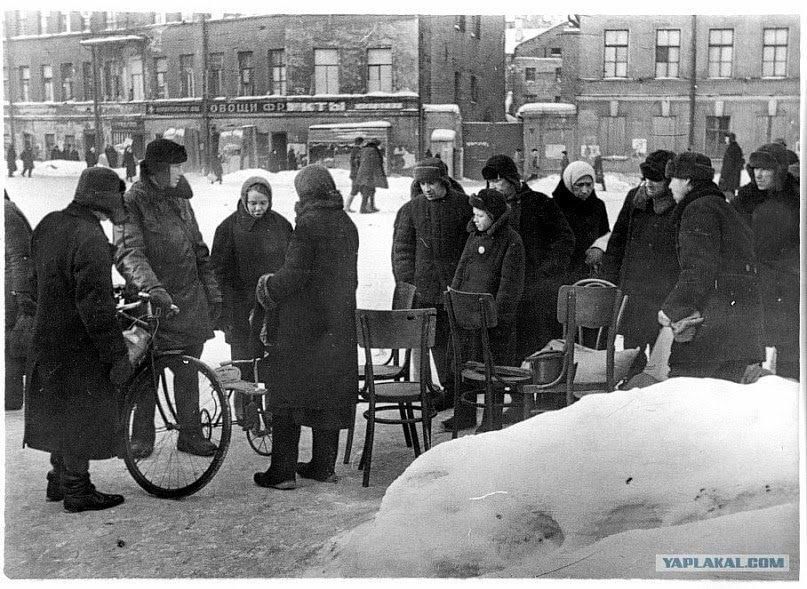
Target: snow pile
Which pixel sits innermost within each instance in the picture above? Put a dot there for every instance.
(663, 468)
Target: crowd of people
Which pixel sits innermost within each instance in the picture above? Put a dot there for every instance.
(722, 275)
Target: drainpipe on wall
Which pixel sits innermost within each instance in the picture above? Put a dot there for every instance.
(11, 89)
(205, 92)
(99, 132)
(693, 81)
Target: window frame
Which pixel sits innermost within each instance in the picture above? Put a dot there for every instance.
(278, 83)
(673, 57)
(48, 91)
(24, 75)
(776, 46)
(246, 68)
(327, 73)
(530, 74)
(717, 63)
(619, 59)
(161, 77)
(68, 91)
(379, 75)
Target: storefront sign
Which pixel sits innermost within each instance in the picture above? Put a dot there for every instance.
(272, 106)
(128, 125)
(174, 109)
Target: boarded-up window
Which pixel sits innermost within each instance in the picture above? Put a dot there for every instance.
(665, 134)
(612, 136)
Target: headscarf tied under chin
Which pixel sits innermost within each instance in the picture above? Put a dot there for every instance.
(576, 170)
(315, 187)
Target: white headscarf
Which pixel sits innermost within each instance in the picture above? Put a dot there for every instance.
(576, 170)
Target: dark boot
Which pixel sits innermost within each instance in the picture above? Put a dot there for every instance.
(285, 443)
(464, 414)
(55, 476)
(142, 441)
(186, 390)
(325, 446)
(80, 494)
(371, 206)
(364, 204)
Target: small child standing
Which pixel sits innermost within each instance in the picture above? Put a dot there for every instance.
(492, 262)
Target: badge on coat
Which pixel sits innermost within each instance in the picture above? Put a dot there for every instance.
(481, 249)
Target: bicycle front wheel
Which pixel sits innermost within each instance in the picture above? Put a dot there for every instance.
(176, 426)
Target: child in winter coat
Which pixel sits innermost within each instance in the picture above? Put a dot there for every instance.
(492, 262)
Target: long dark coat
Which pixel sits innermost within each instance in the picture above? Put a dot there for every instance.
(427, 243)
(774, 218)
(642, 259)
(716, 255)
(244, 249)
(27, 157)
(588, 220)
(71, 408)
(161, 245)
(371, 167)
(733, 163)
(548, 245)
(11, 159)
(19, 271)
(129, 163)
(312, 372)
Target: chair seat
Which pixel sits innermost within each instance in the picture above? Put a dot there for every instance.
(510, 374)
(397, 392)
(383, 371)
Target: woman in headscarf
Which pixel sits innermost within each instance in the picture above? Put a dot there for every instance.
(312, 370)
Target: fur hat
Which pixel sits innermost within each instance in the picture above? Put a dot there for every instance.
(654, 165)
(690, 165)
(314, 182)
(771, 156)
(489, 200)
(576, 170)
(166, 152)
(501, 166)
(101, 189)
(430, 170)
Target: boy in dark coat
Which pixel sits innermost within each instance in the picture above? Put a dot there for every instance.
(492, 262)
(714, 308)
(78, 356)
(641, 256)
(770, 205)
(732, 167)
(312, 368)
(427, 242)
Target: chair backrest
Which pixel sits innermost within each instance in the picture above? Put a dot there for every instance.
(404, 328)
(404, 295)
(471, 310)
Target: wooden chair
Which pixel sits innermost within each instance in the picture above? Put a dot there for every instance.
(473, 314)
(401, 329)
(591, 303)
(396, 367)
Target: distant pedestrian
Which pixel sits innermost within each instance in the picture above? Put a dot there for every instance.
(518, 157)
(90, 157)
(27, 157)
(599, 175)
(564, 161)
(355, 160)
(291, 157)
(215, 159)
(11, 160)
(535, 170)
(111, 156)
(130, 163)
(74, 154)
(732, 166)
(56, 153)
(370, 175)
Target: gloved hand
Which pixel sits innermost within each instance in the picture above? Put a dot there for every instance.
(594, 256)
(262, 295)
(25, 303)
(121, 371)
(214, 311)
(160, 299)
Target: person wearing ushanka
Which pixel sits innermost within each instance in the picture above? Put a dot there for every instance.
(311, 370)
(587, 217)
(160, 250)
(641, 256)
(770, 205)
(492, 262)
(78, 357)
(714, 308)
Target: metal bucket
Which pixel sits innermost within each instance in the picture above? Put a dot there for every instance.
(547, 366)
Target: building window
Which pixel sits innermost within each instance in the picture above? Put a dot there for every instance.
(668, 52)
(66, 74)
(87, 77)
(136, 87)
(161, 70)
(721, 52)
(50, 143)
(528, 98)
(44, 17)
(22, 23)
(64, 22)
(476, 26)
(47, 83)
(246, 71)
(112, 89)
(716, 129)
(459, 23)
(326, 71)
(186, 86)
(774, 53)
(25, 83)
(5, 82)
(277, 72)
(379, 70)
(558, 74)
(616, 54)
(554, 52)
(457, 87)
(159, 18)
(215, 79)
(85, 21)
(529, 74)
(111, 20)
(474, 90)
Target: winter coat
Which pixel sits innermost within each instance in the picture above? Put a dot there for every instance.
(244, 249)
(129, 163)
(160, 245)
(588, 220)
(111, 156)
(313, 366)
(19, 270)
(493, 262)
(27, 157)
(774, 220)
(642, 259)
(718, 279)
(11, 159)
(91, 158)
(371, 167)
(71, 407)
(355, 160)
(427, 243)
(733, 163)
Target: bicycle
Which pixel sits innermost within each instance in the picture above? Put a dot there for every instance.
(150, 412)
(255, 419)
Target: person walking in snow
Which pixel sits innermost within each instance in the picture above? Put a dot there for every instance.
(129, 163)
(355, 161)
(370, 175)
(27, 157)
(11, 160)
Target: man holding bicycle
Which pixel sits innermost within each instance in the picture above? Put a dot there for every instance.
(78, 355)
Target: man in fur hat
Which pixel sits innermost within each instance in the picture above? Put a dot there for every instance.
(160, 251)
(78, 355)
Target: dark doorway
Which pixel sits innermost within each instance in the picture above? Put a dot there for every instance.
(277, 157)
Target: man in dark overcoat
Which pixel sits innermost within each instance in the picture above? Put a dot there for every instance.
(731, 167)
(355, 160)
(311, 372)
(370, 175)
(78, 356)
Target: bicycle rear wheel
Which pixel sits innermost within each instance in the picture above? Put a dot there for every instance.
(152, 419)
(259, 425)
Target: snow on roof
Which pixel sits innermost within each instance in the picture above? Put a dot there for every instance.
(443, 135)
(559, 108)
(366, 124)
(510, 42)
(441, 108)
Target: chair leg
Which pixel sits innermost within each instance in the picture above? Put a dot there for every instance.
(367, 453)
(457, 401)
(489, 401)
(410, 415)
(406, 428)
(526, 407)
(426, 420)
(349, 440)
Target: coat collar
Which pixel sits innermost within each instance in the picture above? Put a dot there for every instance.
(498, 224)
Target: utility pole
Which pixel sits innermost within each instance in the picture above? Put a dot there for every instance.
(693, 81)
(205, 92)
(11, 80)
(99, 131)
